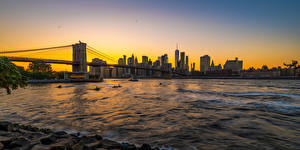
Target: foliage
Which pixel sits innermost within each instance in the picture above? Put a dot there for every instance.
(39, 66)
(294, 65)
(39, 69)
(59, 75)
(10, 76)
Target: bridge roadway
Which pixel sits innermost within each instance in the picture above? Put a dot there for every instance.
(66, 62)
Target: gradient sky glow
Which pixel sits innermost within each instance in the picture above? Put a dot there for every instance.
(257, 31)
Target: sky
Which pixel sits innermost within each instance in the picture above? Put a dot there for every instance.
(260, 32)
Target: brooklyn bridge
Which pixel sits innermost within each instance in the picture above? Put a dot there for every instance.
(79, 62)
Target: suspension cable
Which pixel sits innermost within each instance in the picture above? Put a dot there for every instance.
(30, 50)
(99, 52)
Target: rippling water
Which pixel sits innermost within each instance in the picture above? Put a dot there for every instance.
(178, 114)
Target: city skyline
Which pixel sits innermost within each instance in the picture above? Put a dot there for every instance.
(258, 32)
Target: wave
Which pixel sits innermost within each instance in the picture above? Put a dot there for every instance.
(286, 109)
(242, 94)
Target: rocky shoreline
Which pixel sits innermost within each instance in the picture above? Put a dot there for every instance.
(26, 137)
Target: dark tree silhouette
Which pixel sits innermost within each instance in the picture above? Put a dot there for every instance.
(39, 66)
(294, 65)
(10, 76)
(39, 69)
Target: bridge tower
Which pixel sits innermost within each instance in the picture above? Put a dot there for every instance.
(79, 58)
(79, 65)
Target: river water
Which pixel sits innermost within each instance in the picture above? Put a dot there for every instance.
(175, 114)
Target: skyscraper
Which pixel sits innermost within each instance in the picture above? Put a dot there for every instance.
(124, 58)
(176, 58)
(204, 63)
(193, 67)
(132, 57)
(187, 63)
(182, 55)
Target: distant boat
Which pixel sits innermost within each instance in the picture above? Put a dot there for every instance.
(59, 86)
(133, 79)
(116, 86)
(97, 88)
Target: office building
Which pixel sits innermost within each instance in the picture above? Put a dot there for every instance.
(234, 65)
(145, 60)
(182, 57)
(204, 63)
(186, 63)
(176, 58)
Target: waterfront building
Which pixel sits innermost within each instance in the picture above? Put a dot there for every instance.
(124, 59)
(164, 59)
(130, 61)
(204, 63)
(145, 63)
(215, 68)
(97, 71)
(219, 67)
(264, 68)
(234, 65)
(193, 67)
(145, 60)
(150, 62)
(120, 61)
(156, 64)
(125, 63)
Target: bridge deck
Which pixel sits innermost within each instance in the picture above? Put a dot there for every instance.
(66, 62)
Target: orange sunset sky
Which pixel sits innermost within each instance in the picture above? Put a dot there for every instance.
(258, 32)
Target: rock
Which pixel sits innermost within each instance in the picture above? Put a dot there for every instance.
(92, 146)
(5, 140)
(6, 126)
(34, 135)
(145, 147)
(87, 140)
(58, 147)
(62, 145)
(48, 140)
(108, 144)
(98, 137)
(29, 146)
(60, 133)
(1, 146)
(78, 146)
(19, 142)
(127, 146)
(41, 147)
(66, 142)
(46, 131)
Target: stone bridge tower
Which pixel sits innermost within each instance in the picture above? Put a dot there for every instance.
(79, 58)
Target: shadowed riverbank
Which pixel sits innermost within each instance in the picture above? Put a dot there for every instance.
(26, 137)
